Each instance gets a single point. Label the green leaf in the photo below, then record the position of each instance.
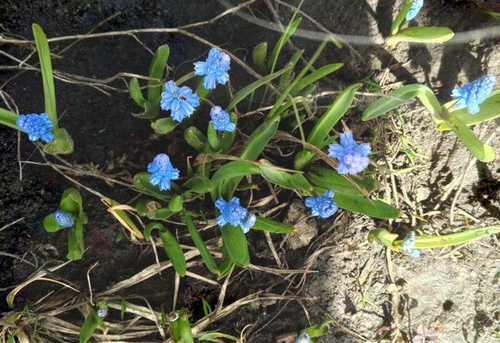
(72, 202)
(481, 151)
(206, 256)
(135, 92)
(176, 204)
(181, 329)
(272, 226)
(227, 139)
(285, 37)
(8, 119)
(326, 123)
(396, 24)
(259, 57)
(170, 245)
(286, 78)
(49, 91)
(91, 324)
(61, 145)
(207, 309)
(195, 138)
(157, 71)
(215, 337)
(319, 330)
(490, 110)
(199, 184)
(248, 90)
(142, 183)
(372, 208)
(212, 137)
(295, 181)
(422, 34)
(402, 96)
(50, 223)
(235, 169)
(164, 126)
(236, 245)
(315, 76)
(76, 245)
(329, 179)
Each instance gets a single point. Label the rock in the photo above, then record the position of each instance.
(305, 229)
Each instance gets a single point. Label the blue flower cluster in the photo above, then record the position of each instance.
(322, 206)
(415, 9)
(37, 126)
(473, 94)
(408, 246)
(352, 157)
(162, 172)
(232, 213)
(181, 101)
(221, 120)
(215, 69)
(64, 219)
(303, 338)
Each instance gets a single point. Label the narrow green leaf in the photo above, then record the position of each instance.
(71, 201)
(481, 151)
(50, 223)
(8, 118)
(235, 169)
(135, 92)
(259, 57)
(326, 123)
(396, 24)
(215, 337)
(422, 34)
(292, 181)
(170, 245)
(227, 139)
(212, 137)
(157, 71)
(285, 37)
(195, 138)
(235, 242)
(286, 78)
(243, 93)
(490, 110)
(207, 309)
(142, 183)
(49, 91)
(402, 96)
(317, 331)
(76, 244)
(181, 329)
(176, 204)
(329, 179)
(372, 208)
(206, 256)
(164, 126)
(272, 226)
(315, 76)
(61, 145)
(199, 184)
(91, 324)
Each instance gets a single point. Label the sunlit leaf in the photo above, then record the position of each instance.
(401, 18)
(315, 76)
(50, 223)
(329, 179)
(481, 151)
(372, 208)
(422, 34)
(272, 226)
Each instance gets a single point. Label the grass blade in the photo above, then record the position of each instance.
(315, 76)
(285, 37)
(396, 24)
(372, 208)
(422, 34)
(206, 256)
(272, 226)
(8, 118)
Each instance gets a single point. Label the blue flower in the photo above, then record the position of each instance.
(474, 93)
(408, 246)
(37, 126)
(416, 6)
(221, 120)
(214, 69)
(233, 214)
(352, 157)
(162, 172)
(322, 206)
(303, 338)
(181, 101)
(64, 219)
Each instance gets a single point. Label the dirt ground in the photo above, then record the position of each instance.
(450, 293)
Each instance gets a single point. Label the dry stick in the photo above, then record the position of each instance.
(89, 283)
(176, 290)
(269, 241)
(6, 226)
(222, 294)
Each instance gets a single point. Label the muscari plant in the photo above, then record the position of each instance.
(42, 127)
(402, 32)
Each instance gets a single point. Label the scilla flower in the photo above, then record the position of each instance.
(322, 206)
(162, 172)
(352, 157)
(180, 101)
(214, 69)
(221, 120)
(408, 246)
(233, 214)
(303, 338)
(473, 94)
(414, 10)
(37, 126)
(64, 219)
